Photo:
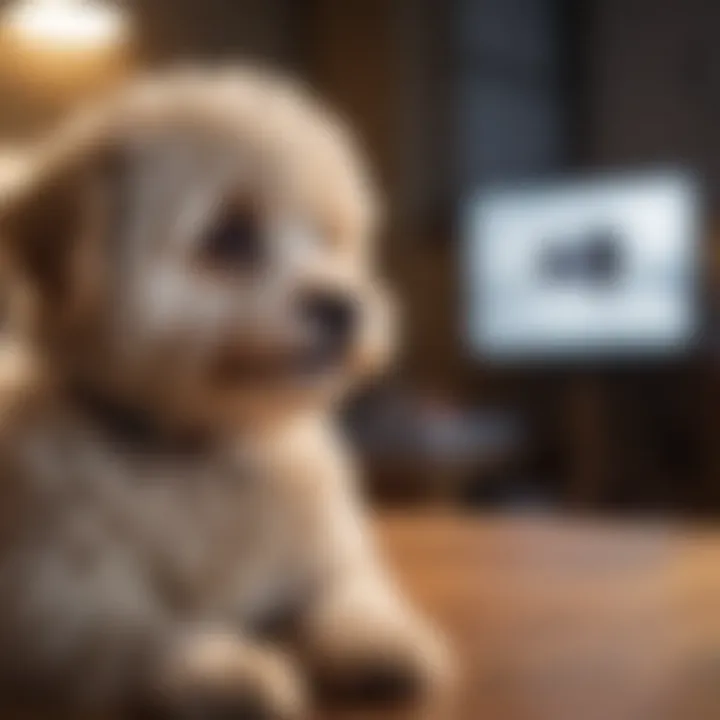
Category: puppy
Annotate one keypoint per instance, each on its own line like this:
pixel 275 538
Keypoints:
pixel 193 292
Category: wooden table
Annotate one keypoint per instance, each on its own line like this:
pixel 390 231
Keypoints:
pixel 557 619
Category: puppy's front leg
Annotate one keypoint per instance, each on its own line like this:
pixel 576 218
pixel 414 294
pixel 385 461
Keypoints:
pixel 218 674
pixel 365 644
pixel 361 638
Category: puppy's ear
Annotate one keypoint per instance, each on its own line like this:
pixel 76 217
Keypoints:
pixel 50 214
pixel 37 222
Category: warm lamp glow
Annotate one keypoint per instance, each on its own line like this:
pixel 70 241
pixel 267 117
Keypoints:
pixel 72 24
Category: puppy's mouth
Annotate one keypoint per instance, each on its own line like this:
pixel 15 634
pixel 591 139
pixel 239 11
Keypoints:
pixel 312 363
pixel 330 324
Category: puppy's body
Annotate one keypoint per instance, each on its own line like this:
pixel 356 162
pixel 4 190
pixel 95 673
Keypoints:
pixel 189 260
pixel 104 540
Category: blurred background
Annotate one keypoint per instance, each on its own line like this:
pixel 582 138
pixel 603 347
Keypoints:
pixel 551 174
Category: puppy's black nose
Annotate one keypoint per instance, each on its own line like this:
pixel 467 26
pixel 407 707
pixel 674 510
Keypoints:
pixel 332 314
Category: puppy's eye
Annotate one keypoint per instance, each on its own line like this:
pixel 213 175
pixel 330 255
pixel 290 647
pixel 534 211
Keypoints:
pixel 235 240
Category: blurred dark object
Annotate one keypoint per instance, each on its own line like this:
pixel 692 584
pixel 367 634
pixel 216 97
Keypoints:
pixel 420 445
pixel 597 260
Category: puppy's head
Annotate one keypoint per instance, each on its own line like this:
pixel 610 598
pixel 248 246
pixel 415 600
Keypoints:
pixel 202 244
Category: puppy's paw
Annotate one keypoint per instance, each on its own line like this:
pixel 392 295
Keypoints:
pixel 376 658
pixel 220 677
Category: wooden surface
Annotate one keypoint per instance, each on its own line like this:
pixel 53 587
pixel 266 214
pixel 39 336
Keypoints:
pixel 566 619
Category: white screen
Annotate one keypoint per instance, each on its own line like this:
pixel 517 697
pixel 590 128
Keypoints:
pixel 596 267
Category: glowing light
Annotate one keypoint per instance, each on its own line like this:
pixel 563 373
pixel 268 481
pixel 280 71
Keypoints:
pixel 67 23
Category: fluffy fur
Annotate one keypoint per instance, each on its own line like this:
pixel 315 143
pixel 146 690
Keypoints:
pixel 173 486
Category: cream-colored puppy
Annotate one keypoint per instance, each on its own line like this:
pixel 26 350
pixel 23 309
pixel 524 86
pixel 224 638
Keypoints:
pixel 194 292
